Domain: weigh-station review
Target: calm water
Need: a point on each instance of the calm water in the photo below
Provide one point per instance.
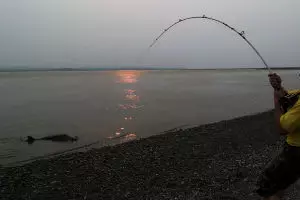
(98, 105)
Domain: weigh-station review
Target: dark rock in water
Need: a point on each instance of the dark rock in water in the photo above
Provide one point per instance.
(62, 138)
(54, 138)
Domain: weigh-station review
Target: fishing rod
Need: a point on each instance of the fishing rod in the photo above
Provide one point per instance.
(287, 101)
(241, 34)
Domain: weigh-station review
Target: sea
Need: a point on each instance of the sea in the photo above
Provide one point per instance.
(111, 107)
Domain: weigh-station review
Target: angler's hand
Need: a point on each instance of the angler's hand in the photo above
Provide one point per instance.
(275, 81)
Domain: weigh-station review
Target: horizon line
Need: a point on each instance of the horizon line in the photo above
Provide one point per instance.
(28, 69)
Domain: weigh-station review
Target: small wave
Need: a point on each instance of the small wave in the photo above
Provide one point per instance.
(8, 153)
(9, 140)
(127, 135)
(6, 156)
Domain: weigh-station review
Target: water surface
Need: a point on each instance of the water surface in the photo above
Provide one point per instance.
(96, 106)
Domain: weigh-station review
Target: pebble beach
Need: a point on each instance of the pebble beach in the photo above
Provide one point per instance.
(220, 160)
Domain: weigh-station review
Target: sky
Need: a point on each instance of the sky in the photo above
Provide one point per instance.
(117, 33)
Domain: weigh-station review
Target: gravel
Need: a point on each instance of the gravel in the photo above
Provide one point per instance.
(215, 161)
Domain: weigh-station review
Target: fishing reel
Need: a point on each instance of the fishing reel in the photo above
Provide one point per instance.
(288, 101)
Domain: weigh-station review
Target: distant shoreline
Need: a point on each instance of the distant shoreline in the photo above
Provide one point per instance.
(135, 69)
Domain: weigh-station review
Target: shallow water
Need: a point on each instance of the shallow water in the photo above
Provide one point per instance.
(98, 105)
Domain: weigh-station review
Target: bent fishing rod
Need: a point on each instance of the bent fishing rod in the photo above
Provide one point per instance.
(241, 34)
(286, 101)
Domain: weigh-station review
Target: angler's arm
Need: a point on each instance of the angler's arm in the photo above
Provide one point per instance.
(278, 111)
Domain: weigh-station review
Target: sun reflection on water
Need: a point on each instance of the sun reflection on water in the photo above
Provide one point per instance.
(130, 102)
(130, 76)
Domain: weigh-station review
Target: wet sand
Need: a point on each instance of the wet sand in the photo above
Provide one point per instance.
(215, 161)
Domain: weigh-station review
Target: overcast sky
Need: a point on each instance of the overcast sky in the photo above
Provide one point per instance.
(75, 33)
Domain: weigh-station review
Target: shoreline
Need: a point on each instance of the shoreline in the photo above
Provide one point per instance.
(16, 70)
(213, 161)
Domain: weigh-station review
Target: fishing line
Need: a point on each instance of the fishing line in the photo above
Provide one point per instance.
(241, 34)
